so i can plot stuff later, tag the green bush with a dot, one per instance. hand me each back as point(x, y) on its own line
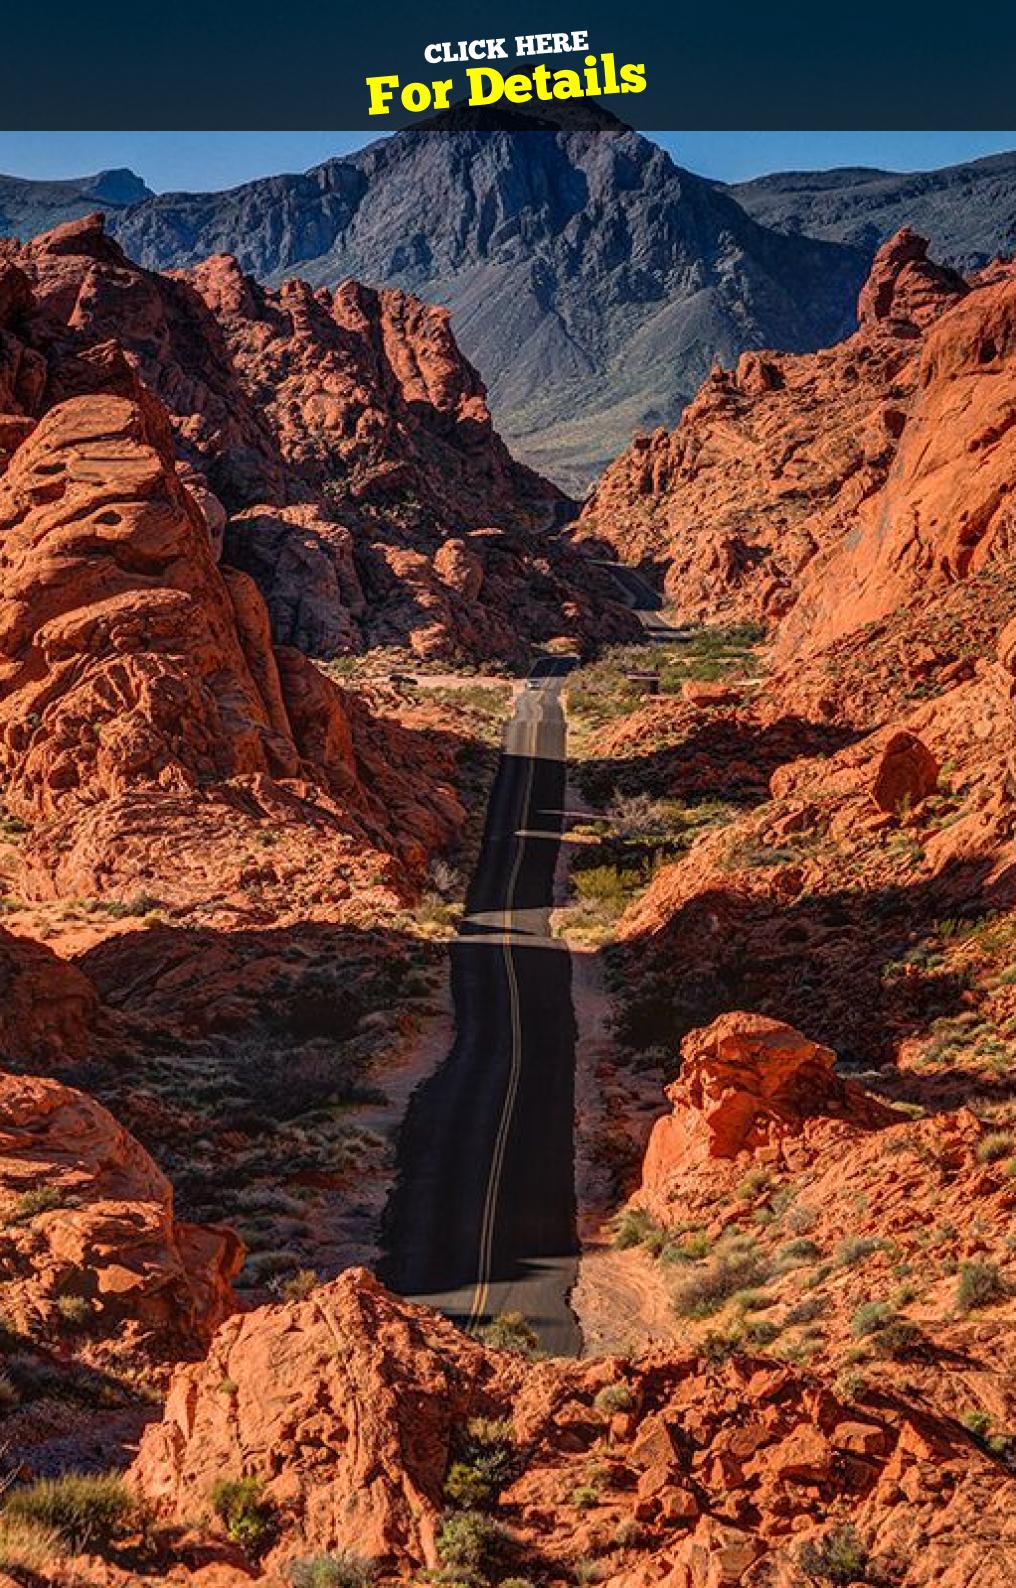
point(980, 1284)
point(342, 1570)
point(614, 1398)
point(632, 1227)
point(997, 1144)
point(740, 1267)
point(898, 1339)
point(471, 1542)
point(799, 1250)
point(870, 1317)
point(86, 1512)
point(510, 1331)
point(485, 1460)
point(244, 1512)
point(856, 1247)
point(301, 1285)
point(43, 1199)
point(840, 1558)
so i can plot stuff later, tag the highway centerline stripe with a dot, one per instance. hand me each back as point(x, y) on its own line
point(486, 1252)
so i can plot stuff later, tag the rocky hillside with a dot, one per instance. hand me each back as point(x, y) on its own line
point(591, 280)
point(817, 493)
point(968, 210)
point(339, 443)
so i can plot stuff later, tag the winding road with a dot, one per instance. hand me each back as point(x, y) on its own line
point(482, 1220)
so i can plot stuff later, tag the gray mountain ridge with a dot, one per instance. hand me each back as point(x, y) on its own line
point(968, 211)
point(591, 280)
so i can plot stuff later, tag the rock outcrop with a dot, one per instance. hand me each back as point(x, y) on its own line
point(339, 429)
point(819, 493)
point(147, 720)
point(349, 1406)
point(47, 1007)
point(88, 1221)
point(747, 1084)
point(344, 1406)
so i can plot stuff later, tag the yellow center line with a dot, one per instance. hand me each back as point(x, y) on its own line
point(486, 1253)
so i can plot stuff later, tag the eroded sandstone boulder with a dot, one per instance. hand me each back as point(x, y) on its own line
point(88, 1216)
point(747, 1083)
point(343, 1405)
point(907, 773)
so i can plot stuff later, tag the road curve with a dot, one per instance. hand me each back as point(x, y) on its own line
point(482, 1218)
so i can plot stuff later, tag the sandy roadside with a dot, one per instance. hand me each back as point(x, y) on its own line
point(619, 1299)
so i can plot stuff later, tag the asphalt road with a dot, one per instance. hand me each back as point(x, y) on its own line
point(638, 593)
point(482, 1220)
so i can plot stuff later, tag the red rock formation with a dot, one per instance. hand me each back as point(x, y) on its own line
point(146, 720)
point(905, 287)
point(106, 1233)
point(46, 1006)
point(370, 385)
point(747, 1083)
point(342, 429)
point(907, 774)
point(346, 1405)
point(819, 491)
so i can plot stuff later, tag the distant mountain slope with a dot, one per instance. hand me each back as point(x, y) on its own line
point(28, 208)
point(591, 281)
point(969, 211)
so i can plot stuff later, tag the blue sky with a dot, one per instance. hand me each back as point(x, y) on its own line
point(173, 160)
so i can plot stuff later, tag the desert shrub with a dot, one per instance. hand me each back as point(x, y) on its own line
point(898, 1338)
point(799, 1250)
point(978, 1423)
point(839, 1558)
point(704, 1291)
point(344, 1569)
point(854, 1248)
point(432, 910)
point(584, 1496)
point(485, 1460)
point(980, 1284)
point(634, 1226)
point(870, 1317)
point(300, 1285)
point(806, 1311)
point(510, 1331)
point(140, 904)
point(997, 1144)
point(27, 1546)
point(630, 1534)
point(42, 1199)
point(719, 1345)
point(85, 1511)
point(74, 1311)
point(691, 1248)
point(754, 1183)
point(762, 1331)
point(614, 1398)
point(471, 1542)
point(610, 887)
point(241, 1507)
